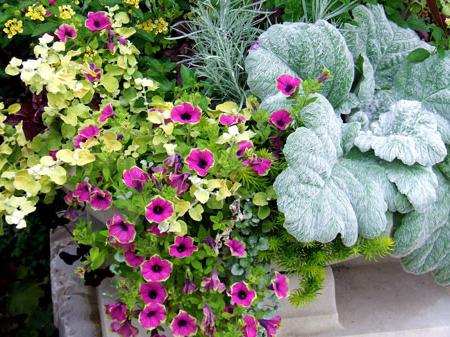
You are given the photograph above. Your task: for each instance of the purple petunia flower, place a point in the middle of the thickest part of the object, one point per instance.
(271, 325)
(66, 32)
(153, 292)
(185, 113)
(200, 161)
(100, 200)
(250, 326)
(213, 282)
(106, 113)
(189, 287)
(242, 146)
(179, 181)
(183, 247)
(281, 119)
(259, 165)
(125, 329)
(280, 285)
(288, 84)
(122, 231)
(156, 232)
(94, 73)
(208, 323)
(83, 191)
(117, 311)
(241, 294)
(152, 316)
(158, 210)
(156, 269)
(174, 161)
(183, 325)
(132, 259)
(135, 178)
(84, 134)
(97, 21)
(237, 248)
(126, 247)
(229, 120)
(71, 214)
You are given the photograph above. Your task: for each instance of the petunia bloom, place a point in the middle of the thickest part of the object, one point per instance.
(280, 285)
(122, 231)
(66, 32)
(135, 178)
(185, 113)
(287, 84)
(242, 147)
(153, 292)
(100, 200)
(125, 329)
(200, 161)
(179, 182)
(83, 192)
(156, 232)
(183, 247)
(208, 323)
(241, 294)
(152, 316)
(281, 119)
(271, 325)
(183, 325)
(94, 73)
(230, 120)
(213, 282)
(117, 311)
(156, 269)
(175, 162)
(259, 165)
(158, 210)
(84, 134)
(189, 287)
(250, 326)
(237, 248)
(97, 21)
(132, 259)
(106, 113)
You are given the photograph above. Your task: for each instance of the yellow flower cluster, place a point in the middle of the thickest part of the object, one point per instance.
(36, 12)
(157, 26)
(65, 12)
(134, 3)
(13, 27)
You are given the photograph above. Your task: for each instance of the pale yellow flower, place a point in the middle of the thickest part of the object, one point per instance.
(13, 27)
(65, 12)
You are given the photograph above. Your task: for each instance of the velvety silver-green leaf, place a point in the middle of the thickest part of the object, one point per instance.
(321, 193)
(407, 132)
(423, 239)
(429, 83)
(301, 50)
(384, 43)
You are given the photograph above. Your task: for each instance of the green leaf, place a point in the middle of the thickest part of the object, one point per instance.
(301, 50)
(24, 298)
(110, 83)
(260, 199)
(418, 55)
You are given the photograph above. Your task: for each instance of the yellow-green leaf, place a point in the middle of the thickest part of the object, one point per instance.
(25, 182)
(196, 212)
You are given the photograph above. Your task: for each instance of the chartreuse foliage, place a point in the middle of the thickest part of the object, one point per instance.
(348, 178)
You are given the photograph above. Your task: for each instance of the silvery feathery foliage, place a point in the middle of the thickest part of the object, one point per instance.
(323, 9)
(222, 31)
(389, 157)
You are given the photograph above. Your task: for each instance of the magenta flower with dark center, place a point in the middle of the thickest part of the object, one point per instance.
(237, 248)
(94, 73)
(229, 120)
(179, 182)
(185, 113)
(158, 210)
(208, 323)
(117, 311)
(156, 269)
(135, 178)
(83, 191)
(132, 259)
(106, 113)
(183, 325)
(200, 161)
(271, 325)
(213, 282)
(100, 200)
(153, 292)
(122, 231)
(66, 32)
(288, 84)
(242, 147)
(241, 294)
(281, 119)
(280, 285)
(97, 21)
(125, 329)
(152, 316)
(189, 287)
(183, 247)
(250, 326)
(259, 165)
